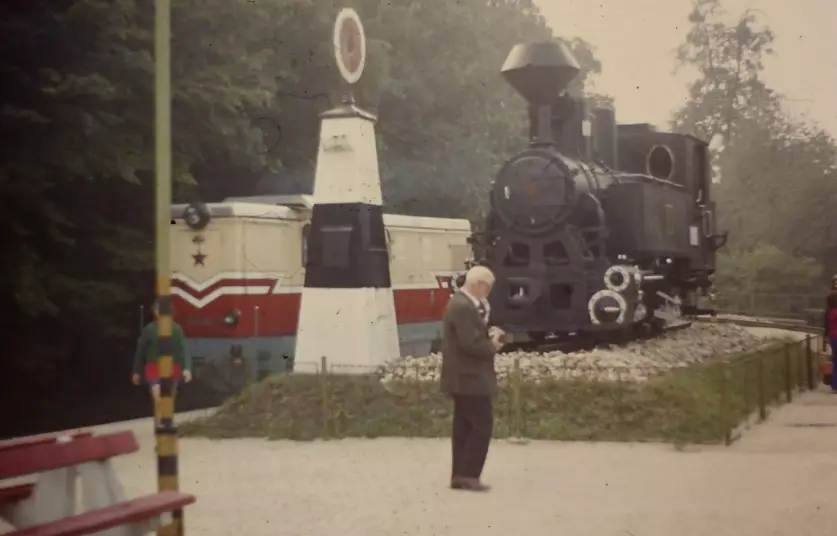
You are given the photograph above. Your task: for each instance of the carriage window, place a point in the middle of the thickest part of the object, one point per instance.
(336, 242)
(306, 232)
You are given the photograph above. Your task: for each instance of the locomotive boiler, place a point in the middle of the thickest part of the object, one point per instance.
(596, 226)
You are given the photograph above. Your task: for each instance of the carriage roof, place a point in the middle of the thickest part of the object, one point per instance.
(297, 208)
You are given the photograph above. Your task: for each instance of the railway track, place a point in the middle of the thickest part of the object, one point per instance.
(774, 323)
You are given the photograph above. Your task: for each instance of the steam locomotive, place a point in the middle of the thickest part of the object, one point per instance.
(596, 227)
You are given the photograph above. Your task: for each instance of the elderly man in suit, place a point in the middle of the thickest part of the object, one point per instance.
(468, 349)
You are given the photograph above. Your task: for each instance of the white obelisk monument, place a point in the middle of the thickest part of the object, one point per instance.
(347, 312)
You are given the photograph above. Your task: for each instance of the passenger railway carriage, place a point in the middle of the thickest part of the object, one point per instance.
(239, 268)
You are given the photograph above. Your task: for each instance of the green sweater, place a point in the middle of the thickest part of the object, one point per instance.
(147, 348)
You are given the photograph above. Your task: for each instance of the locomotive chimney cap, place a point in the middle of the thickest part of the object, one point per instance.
(540, 71)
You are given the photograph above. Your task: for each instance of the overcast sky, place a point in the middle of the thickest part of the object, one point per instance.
(635, 41)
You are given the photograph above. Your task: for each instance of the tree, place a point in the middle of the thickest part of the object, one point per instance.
(249, 80)
(78, 155)
(446, 118)
(777, 174)
(767, 269)
(729, 59)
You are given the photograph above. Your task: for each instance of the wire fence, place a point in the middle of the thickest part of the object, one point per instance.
(702, 403)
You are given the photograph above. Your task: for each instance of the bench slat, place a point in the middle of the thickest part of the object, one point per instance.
(44, 439)
(40, 458)
(127, 513)
(14, 494)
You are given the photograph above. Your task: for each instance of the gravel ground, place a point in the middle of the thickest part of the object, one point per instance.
(636, 361)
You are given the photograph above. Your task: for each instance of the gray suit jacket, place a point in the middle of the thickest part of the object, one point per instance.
(467, 351)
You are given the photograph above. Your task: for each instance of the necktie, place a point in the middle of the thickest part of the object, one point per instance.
(481, 310)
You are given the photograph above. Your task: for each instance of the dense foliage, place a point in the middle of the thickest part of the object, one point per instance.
(777, 175)
(249, 80)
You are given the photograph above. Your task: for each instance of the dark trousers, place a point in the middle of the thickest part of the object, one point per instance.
(473, 422)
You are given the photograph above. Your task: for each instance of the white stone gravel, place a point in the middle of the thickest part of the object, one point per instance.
(635, 361)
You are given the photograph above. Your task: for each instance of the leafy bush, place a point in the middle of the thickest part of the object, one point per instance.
(767, 269)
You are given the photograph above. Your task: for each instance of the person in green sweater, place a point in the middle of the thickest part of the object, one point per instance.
(146, 357)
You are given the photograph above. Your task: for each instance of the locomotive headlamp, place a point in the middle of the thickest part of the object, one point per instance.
(196, 216)
(232, 317)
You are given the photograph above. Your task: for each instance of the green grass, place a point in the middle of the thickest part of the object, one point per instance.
(699, 404)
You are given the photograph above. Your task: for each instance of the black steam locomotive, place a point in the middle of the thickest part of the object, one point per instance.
(596, 227)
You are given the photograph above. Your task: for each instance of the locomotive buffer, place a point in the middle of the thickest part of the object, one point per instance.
(347, 313)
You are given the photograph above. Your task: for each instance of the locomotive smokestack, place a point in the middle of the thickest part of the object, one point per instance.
(540, 72)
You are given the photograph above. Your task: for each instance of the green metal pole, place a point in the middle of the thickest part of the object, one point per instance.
(165, 430)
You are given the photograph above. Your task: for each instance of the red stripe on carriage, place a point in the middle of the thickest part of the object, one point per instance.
(278, 314)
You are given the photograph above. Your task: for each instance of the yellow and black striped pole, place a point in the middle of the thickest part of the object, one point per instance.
(165, 429)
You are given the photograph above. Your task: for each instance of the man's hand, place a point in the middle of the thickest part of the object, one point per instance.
(187, 376)
(498, 336)
(135, 379)
(494, 331)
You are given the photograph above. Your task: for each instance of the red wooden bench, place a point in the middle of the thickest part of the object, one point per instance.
(39, 458)
(20, 492)
(13, 494)
(42, 439)
(49, 506)
(138, 516)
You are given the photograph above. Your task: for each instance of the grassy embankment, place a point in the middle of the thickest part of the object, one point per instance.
(698, 404)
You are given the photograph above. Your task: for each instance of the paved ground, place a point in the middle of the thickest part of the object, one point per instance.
(775, 481)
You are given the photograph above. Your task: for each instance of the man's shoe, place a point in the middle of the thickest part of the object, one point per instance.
(468, 484)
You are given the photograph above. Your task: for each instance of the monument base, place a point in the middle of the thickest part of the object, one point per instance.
(354, 328)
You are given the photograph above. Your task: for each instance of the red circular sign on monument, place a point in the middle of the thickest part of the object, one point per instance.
(349, 45)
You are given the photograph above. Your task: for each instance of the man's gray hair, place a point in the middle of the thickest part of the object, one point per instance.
(479, 274)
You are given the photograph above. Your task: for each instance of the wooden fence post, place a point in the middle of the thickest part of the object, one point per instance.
(800, 368)
(761, 394)
(776, 387)
(324, 388)
(745, 362)
(724, 402)
(788, 379)
(516, 406)
(416, 420)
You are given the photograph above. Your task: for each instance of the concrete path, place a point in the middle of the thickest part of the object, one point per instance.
(775, 481)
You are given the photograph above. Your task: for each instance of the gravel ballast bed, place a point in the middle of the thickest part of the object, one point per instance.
(636, 361)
